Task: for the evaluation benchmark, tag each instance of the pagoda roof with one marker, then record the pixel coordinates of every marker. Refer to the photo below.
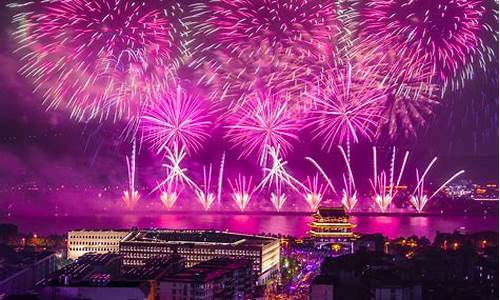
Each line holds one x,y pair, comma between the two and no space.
329,212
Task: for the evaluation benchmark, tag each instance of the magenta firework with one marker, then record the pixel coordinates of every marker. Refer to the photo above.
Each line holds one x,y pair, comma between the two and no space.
346,106
179,119
99,59
250,44
264,122
450,35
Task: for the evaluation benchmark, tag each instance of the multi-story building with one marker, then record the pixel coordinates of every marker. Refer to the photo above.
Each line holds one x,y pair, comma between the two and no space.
331,228
20,271
221,278
85,267
101,276
94,241
198,246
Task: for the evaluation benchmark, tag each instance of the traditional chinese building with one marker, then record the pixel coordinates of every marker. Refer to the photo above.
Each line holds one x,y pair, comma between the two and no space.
331,228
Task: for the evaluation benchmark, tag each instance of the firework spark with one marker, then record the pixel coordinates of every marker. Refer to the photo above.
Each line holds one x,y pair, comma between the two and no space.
265,122
169,195
99,59
278,200
221,176
277,175
451,36
315,192
205,196
318,167
179,119
384,187
349,192
419,198
176,175
242,191
347,107
131,196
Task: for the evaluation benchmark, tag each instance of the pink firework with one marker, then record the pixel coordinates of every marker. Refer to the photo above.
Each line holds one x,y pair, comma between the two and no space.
170,194
278,200
449,35
205,194
315,192
304,26
346,106
99,58
180,119
263,123
406,82
419,198
242,191
384,184
249,44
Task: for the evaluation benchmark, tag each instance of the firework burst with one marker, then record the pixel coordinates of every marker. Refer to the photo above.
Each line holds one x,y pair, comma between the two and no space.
169,194
246,45
303,26
99,59
346,107
349,192
384,187
242,191
179,119
278,200
264,123
204,195
450,35
315,192
176,175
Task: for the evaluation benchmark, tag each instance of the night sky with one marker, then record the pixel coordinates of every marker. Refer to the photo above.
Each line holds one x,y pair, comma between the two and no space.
46,147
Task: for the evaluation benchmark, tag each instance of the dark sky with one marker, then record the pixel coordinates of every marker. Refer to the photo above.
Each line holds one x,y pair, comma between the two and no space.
45,146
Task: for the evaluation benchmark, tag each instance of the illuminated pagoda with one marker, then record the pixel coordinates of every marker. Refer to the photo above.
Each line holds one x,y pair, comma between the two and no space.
331,228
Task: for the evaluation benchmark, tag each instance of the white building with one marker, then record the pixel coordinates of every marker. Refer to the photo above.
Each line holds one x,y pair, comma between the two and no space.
95,241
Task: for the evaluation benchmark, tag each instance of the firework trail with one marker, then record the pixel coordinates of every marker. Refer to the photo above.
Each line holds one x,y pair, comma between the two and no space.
277,175
169,194
221,176
205,196
315,192
278,200
263,123
176,175
318,167
179,119
242,191
418,198
347,106
131,196
99,59
453,37
349,192
383,184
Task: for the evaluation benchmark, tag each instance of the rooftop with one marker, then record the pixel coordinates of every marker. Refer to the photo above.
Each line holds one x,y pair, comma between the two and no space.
154,267
196,237
329,212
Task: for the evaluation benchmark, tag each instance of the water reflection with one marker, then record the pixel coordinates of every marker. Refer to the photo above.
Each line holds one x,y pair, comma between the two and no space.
297,225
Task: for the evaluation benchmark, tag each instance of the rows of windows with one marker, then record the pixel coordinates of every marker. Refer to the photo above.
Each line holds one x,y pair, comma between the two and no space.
93,243
181,251
91,249
96,237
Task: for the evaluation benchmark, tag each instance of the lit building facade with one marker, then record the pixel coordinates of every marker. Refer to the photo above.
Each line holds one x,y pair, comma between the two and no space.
84,241
219,278
330,228
198,246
